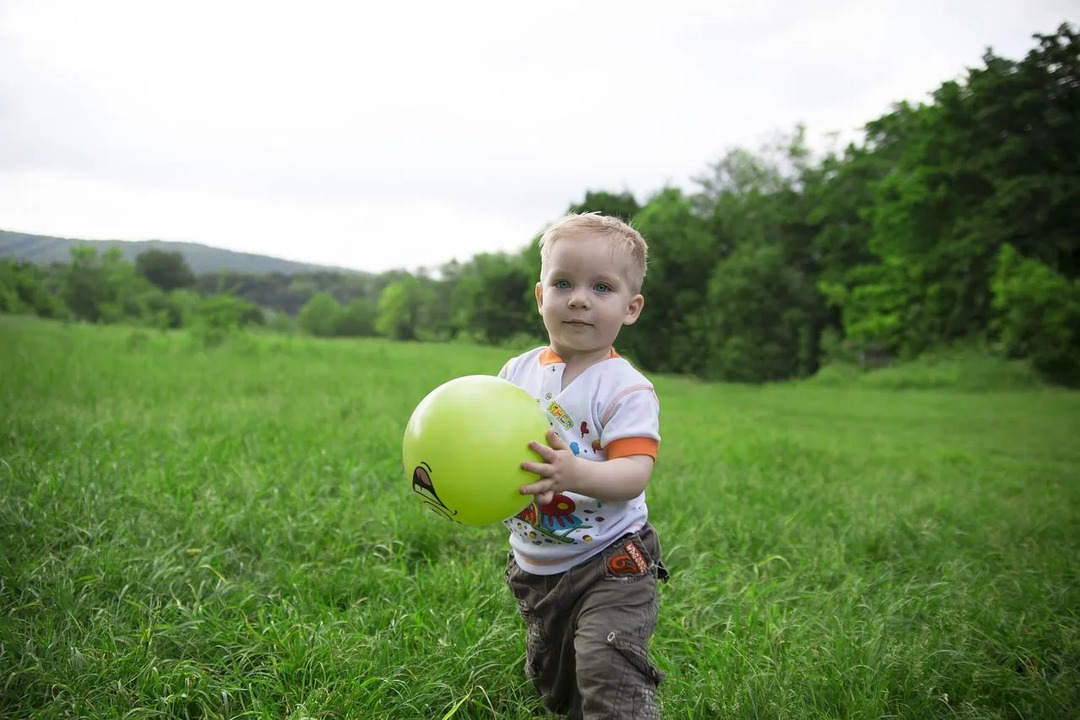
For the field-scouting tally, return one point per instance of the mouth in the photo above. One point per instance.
(578, 323)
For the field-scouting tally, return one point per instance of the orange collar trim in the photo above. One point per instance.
(548, 356)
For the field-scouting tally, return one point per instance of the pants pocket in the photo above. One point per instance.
(638, 657)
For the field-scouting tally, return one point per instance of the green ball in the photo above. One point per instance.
(464, 446)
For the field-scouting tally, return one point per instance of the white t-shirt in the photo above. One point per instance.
(608, 411)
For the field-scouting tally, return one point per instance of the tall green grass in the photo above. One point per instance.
(957, 369)
(227, 533)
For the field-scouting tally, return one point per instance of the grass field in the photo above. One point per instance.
(228, 532)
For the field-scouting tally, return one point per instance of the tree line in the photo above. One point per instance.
(955, 220)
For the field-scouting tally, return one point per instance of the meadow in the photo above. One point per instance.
(227, 532)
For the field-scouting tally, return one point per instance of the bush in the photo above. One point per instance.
(357, 319)
(1038, 315)
(23, 291)
(219, 317)
(320, 315)
(965, 369)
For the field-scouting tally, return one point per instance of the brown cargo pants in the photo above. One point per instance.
(588, 630)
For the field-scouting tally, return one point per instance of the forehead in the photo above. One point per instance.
(586, 253)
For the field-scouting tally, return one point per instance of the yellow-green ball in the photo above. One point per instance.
(464, 445)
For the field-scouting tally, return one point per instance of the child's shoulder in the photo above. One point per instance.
(620, 371)
(525, 359)
(616, 379)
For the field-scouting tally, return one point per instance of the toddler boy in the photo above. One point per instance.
(584, 560)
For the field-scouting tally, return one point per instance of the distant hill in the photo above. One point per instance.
(203, 259)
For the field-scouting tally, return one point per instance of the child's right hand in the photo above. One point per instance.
(557, 472)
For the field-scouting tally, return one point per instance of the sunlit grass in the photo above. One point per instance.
(227, 532)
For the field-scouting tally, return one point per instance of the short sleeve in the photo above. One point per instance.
(631, 423)
(509, 368)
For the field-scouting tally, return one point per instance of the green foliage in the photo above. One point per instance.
(950, 221)
(622, 205)
(170, 310)
(993, 160)
(289, 293)
(320, 315)
(963, 369)
(23, 291)
(324, 316)
(84, 291)
(166, 270)
(495, 296)
(673, 331)
(1038, 315)
(221, 317)
(757, 307)
(882, 305)
(103, 289)
(357, 319)
(764, 313)
(404, 308)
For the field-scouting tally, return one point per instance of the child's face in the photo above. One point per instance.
(585, 296)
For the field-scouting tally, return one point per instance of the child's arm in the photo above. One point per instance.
(619, 479)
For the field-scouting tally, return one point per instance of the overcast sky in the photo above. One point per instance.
(383, 135)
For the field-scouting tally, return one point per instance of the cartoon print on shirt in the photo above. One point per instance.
(556, 520)
(584, 428)
(556, 411)
(575, 448)
(597, 446)
(421, 483)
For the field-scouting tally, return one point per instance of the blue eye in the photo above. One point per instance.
(602, 287)
(561, 284)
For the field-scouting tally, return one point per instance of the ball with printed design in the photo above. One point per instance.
(464, 445)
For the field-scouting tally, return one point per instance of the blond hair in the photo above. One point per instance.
(626, 242)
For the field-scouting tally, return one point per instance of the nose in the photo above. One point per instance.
(578, 299)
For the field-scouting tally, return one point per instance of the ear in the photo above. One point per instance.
(539, 290)
(633, 310)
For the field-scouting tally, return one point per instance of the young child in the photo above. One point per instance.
(584, 560)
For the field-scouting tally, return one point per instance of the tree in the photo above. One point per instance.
(124, 293)
(220, 316)
(23, 289)
(756, 206)
(402, 308)
(166, 270)
(622, 205)
(993, 160)
(671, 333)
(83, 289)
(321, 315)
(759, 309)
(357, 319)
(494, 298)
(1038, 315)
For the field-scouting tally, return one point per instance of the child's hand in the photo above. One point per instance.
(557, 471)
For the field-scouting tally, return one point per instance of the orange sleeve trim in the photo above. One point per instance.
(548, 357)
(624, 447)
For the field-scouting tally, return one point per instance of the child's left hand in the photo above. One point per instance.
(557, 472)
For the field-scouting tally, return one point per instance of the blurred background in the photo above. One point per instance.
(846, 182)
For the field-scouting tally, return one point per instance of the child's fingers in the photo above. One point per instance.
(536, 488)
(536, 468)
(548, 454)
(555, 440)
